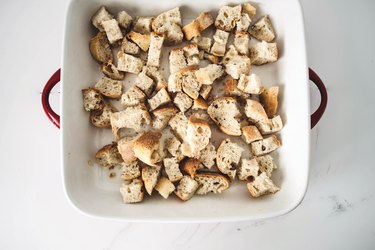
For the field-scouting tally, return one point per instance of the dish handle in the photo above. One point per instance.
(54, 118)
(315, 117)
(55, 78)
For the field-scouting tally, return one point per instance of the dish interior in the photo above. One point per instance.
(90, 188)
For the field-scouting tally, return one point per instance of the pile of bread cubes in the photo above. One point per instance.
(164, 133)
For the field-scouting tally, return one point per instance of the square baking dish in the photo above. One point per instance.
(89, 188)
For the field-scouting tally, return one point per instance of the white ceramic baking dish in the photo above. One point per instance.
(89, 188)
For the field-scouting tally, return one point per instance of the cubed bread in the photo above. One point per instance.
(248, 9)
(228, 17)
(125, 147)
(220, 43)
(157, 76)
(274, 125)
(236, 64)
(150, 177)
(230, 89)
(225, 113)
(112, 30)
(262, 185)
(159, 99)
(190, 166)
(198, 134)
(209, 74)
(255, 112)
(205, 91)
(177, 60)
(124, 19)
(129, 63)
(169, 23)
(248, 169)
(202, 22)
(145, 83)
(129, 47)
(131, 191)
(265, 146)
(241, 42)
(251, 134)
(135, 117)
(263, 52)
(165, 187)
(142, 40)
(228, 156)
(162, 116)
(208, 156)
(269, 100)
(108, 156)
(203, 116)
(92, 99)
(173, 146)
(132, 97)
(212, 58)
(183, 102)
(143, 24)
(191, 54)
(266, 164)
(101, 118)
(110, 70)
(186, 188)
(250, 84)
(211, 183)
(172, 169)
(189, 83)
(154, 53)
(200, 104)
(130, 170)
(203, 43)
(109, 87)
(262, 29)
(243, 24)
(149, 148)
(100, 48)
(179, 124)
(100, 15)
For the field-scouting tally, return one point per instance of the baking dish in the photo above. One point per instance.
(91, 191)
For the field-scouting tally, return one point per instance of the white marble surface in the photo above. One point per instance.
(337, 212)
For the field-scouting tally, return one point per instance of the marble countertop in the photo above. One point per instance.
(336, 213)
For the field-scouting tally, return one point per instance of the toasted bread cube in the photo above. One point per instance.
(265, 146)
(112, 30)
(131, 191)
(263, 52)
(228, 17)
(101, 15)
(165, 187)
(154, 52)
(129, 47)
(248, 169)
(161, 98)
(204, 43)
(202, 22)
(186, 188)
(263, 30)
(172, 169)
(262, 185)
(124, 19)
(251, 134)
(241, 42)
(142, 40)
(129, 63)
(220, 43)
(143, 24)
